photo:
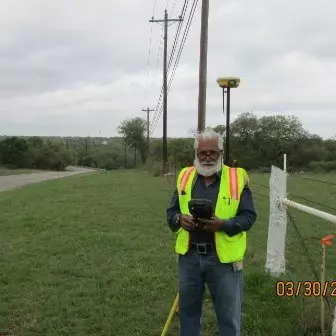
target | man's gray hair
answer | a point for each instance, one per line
(209, 134)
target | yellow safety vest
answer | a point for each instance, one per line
(229, 249)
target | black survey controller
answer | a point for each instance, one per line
(201, 208)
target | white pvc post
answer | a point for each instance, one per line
(333, 331)
(275, 260)
(285, 163)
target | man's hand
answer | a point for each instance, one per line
(187, 222)
(211, 225)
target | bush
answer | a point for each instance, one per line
(87, 161)
(155, 168)
(34, 153)
(323, 166)
(110, 165)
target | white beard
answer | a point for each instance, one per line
(208, 171)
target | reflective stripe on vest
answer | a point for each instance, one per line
(234, 183)
(185, 178)
(229, 249)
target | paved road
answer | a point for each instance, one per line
(15, 181)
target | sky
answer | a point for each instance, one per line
(79, 67)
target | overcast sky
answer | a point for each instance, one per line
(80, 67)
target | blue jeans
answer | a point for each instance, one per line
(225, 287)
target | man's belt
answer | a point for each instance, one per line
(203, 248)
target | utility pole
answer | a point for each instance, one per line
(203, 65)
(147, 110)
(165, 38)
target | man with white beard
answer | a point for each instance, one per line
(211, 251)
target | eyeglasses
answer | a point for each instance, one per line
(213, 155)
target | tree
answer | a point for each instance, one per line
(220, 129)
(259, 142)
(12, 151)
(181, 151)
(133, 131)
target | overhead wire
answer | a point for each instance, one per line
(148, 62)
(183, 41)
(159, 103)
(154, 7)
(186, 31)
(149, 52)
(191, 15)
(167, 3)
(178, 30)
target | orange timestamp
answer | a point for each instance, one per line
(305, 288)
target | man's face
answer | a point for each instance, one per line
(208, 153)
(208, 160)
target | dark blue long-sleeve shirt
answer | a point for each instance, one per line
(243, 221)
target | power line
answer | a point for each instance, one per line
(167, 3)
(154, 7)
(149, 51)
(157, 116)
(148, 61)
(177, 35)
(164, 136)
(158, 58)
(186, 31)
(158, 106)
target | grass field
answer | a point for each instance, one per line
(92, 255)
(6, 171)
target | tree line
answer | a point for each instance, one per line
(33, 153)
(255, 143)
(56, 153)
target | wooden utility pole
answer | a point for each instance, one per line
(165, 38)
(203, 66)
(147, 110)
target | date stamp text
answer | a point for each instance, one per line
(306, 288)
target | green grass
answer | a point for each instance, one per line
(92, 255)
(6, 171)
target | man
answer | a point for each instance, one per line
(211, 251)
